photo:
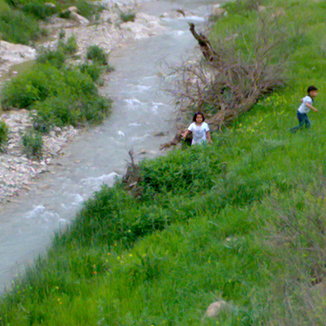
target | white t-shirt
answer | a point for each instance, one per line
(303, 107)
(198, 132)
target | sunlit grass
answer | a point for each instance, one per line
(240, 220)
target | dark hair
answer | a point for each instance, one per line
(195, 116)
(311, 88)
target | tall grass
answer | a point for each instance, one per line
(241, 220)
(19, 19)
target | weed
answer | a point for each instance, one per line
(16, 27)
(3, 135)
(32, 143)
(39, 10)
(127, 17)
(97, 55)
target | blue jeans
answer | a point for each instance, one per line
(303, 121)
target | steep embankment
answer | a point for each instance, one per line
(241, 220)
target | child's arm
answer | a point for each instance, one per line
(311, 107)
(208, 136)
(185, 133)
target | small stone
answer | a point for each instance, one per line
(215, 308)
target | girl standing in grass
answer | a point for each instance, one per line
(199, 129)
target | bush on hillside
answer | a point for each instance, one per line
(177, 173)
(3, 134)
(88, 9)
(69, 46)
(39, 10)
(127, 17)
(54, 57)
(97, 55)
(60, 95)
(57, 57)
(36, 84)
(92, 70)
(16, 27)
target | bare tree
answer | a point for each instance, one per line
(229, 81)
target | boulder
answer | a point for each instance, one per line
(16, 53)
(73, 9)
(217, 11)
(215, 308)
(50, 5)
(78, 18)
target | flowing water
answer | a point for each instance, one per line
(141, 109)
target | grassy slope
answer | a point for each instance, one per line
(206, 225)
(19, 19)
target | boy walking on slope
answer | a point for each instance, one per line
(304, 108)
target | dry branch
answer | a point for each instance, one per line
(228, 82)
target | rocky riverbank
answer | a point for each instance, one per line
(108, 31)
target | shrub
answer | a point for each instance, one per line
(92, 70)
(60, 95)
(96, 54)
(53, 57)
(16, 27)
(57, 110)
(39, 10)
(3, 134)
(32, 142)
(68, 110)
(127, 16)
(94, 110)
(65, 14)
(78, 84)
(70, 46)
(39, 82)
(177, 172)
(88, 9)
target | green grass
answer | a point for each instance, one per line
(241, 220)
(19, 19)
(3, 134)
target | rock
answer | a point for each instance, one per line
(261, 8)
(73, 9)
(79, 19)
(16, 53)
(50, 5)
(217, 11)
(159, 134)
(215, 308)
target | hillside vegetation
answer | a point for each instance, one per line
(19, 19)
(241, 220)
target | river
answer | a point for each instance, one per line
(141, 109)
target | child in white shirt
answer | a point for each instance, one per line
(199, 129)
(305, 107)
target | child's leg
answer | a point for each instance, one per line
(307, 121)
(301, 119)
